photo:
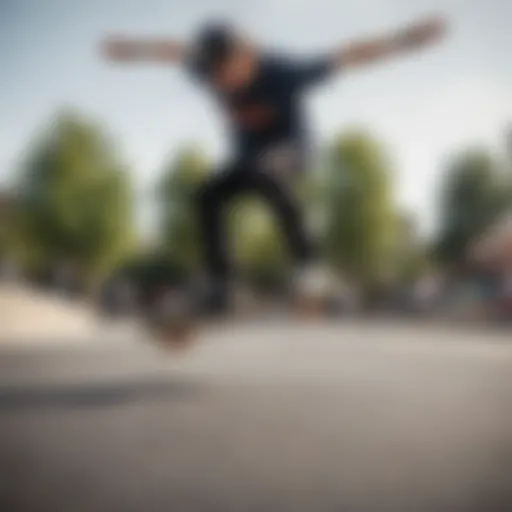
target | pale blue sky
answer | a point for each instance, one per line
(423, 108)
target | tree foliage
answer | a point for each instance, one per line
(360, 218)
(75, 199)
(412, 255)
(176, 192)
(473, 197)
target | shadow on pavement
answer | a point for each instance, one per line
(99, 394)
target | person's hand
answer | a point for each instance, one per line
(118, 49)
(123, 49)
(423, 33)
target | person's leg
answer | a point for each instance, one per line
(310, 279)
(211, 200)
(280, 197)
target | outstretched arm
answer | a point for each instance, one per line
(373, 50)
(126, 50)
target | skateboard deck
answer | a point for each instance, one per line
(178, 328)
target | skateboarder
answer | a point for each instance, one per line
(262, 95)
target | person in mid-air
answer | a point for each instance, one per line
(262, 94)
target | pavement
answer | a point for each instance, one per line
(341, 416)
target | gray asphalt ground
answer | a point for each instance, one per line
(314, 417)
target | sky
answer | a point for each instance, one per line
(423, 108)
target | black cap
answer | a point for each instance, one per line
(214, 44)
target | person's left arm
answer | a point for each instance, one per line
(367, 51)
(374, 50)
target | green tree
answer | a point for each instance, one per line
(412, 254)
(75, 200)
(182, 177)
(473, 196)
(7, 204)
(359, 214)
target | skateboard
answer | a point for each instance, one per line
(177, 322)
(172, 321)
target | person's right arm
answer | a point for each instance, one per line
(128, 50)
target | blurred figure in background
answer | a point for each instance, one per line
(262, 95)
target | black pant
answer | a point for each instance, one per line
(241, 178)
